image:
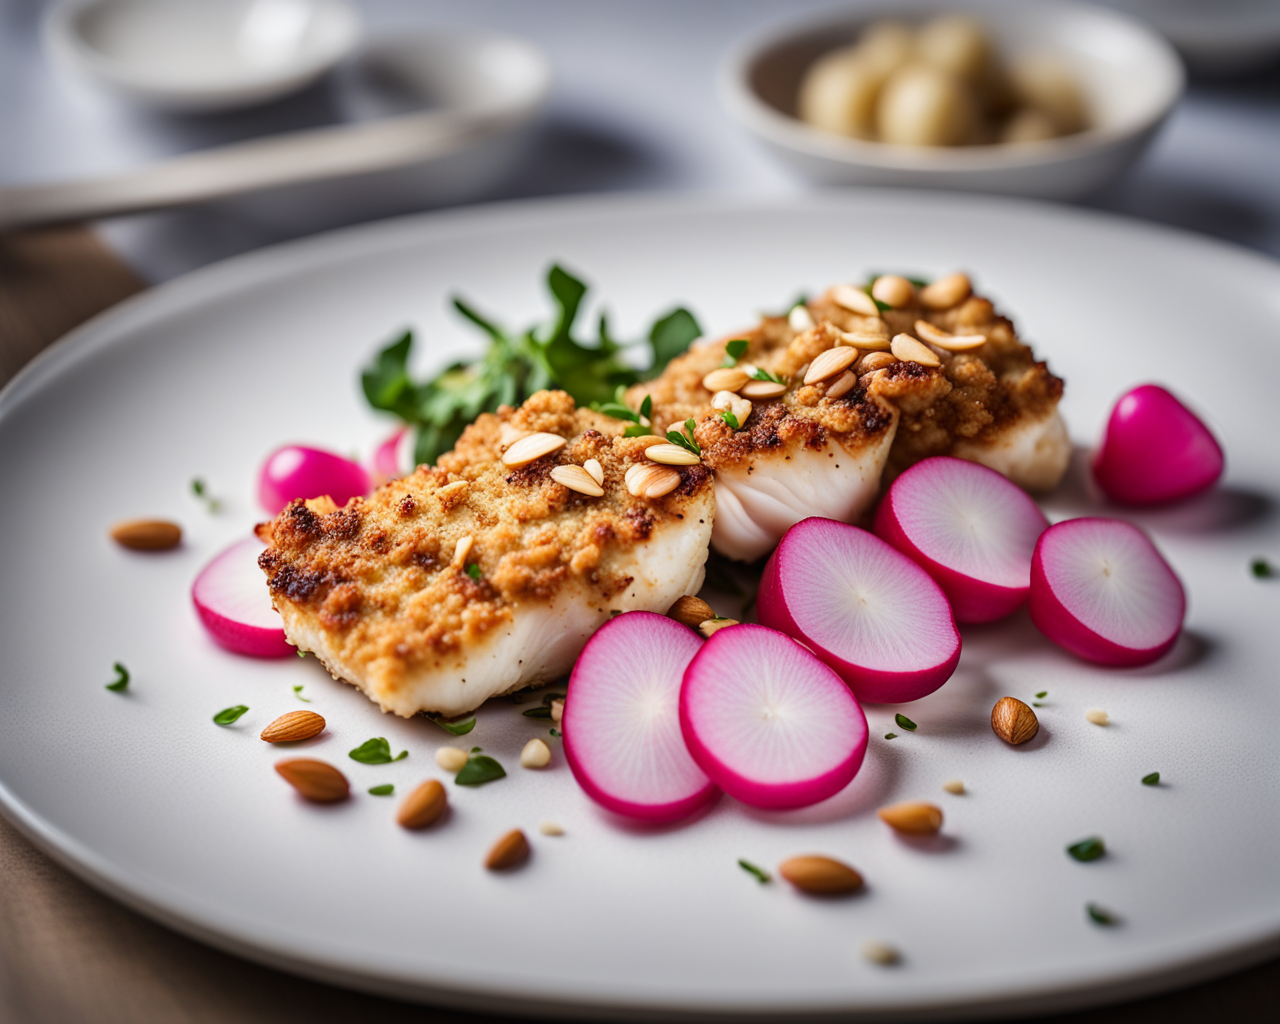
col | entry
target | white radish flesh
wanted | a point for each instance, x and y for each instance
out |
(865, 609)
(970, 529)
(768, 722)
(233, 602)
(1100, 589)
(621, 719)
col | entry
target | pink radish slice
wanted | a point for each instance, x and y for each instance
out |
(1155, 450)
(1100, 589)
(622, 722)
(865, 609)
(768, 722)
(231, 596)
(296, 472)
(969, 528)
(391, 459)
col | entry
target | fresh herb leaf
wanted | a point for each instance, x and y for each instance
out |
(1087, 849)
(1263, 569)
(473, 571)
(555, 731)
(297, 692)
(1042, 695)
(122, 678)
(1099, 916)
(891, 735)
(905, 723)
(685, 441)
(618, 411)
(302, 654)
(1036, 704)
(762, 876)
(728, 416)
(386, 789)
(646, 407)
(200, 491)
(453, 728)
(376, 751)
(1151, 780)
(737, 348)
(759, 374)
(229, 716)
(669, 337)
(479, 769)
(636, 430)
(542, 713)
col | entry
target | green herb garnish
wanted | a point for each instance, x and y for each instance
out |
(543, 713)
(1151, 780)
(473, 571)
(555, 732)
(386, 789)
(1263, 569)
(199, 489)
(728, 416)
(454, 728)
(891, 735)
(229, 716)
(297, 692)
(1042, 695)
(1099, 916)
(376, 751)
(687, 443)
(880, 306)
(735, 350)
(759, 374)
(514, 366)
(122, 678)
(905, 723)
(762, 876)
(1087, 849)
(479, 769)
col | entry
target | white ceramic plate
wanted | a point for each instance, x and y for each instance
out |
(143, 795)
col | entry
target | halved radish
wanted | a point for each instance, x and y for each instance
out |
(969, 528)
(622, 723)
(865, 609)
(392, 456)
(296, 472)
(1100, 589)
(233, 602)
(1155, 450)
(768, 722)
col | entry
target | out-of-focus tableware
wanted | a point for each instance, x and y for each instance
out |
(1217, 37)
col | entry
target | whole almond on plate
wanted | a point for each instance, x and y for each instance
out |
(690, 611)
(147, 534)
(510, 851)
(296, 725)
(818, 874)
(423, 806)
(317, 781)
(912, 817)
(1013, 721)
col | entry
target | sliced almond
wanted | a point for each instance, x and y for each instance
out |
(509, 435)
(800, 319)
(294, 726)
(762, 389)
(1013, 721)
(714, 625)
(831, 363)
(866, 342)
(944, 339)
(317, 781)
(909, 350)
(510, 851)
(727, 378)
(946, 292)
(462, 549)
(593, 467)
(912, 817)
(855, 300)
(576, 478)
(893, 290)
(824, 875)
(147, 534)
(842, 385)
(423, 806)
(649, 480)
(955, 786)
(875, 361)
(530, 448)
(690, 611)
(671, 455)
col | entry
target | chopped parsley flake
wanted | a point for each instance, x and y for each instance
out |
(761, 875)
(297, 692)
(1087, 849)
(891, 735)
(1151, 780)
(229, 716)
(905, 723)
(473, 570)
(1099, 916)
(1263, 569)
(386, 789)
(122, 678)
(199, 489)
(1042, 695)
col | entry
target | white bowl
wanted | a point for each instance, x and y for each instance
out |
(202, 55)
(1131, 77)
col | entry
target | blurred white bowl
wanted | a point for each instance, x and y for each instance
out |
(1217, 37)
(202, 55)
(1131, 77)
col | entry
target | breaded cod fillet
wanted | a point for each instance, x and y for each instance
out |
(826, 448)
(473, 579)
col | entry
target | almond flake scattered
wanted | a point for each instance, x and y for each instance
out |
(954, 786)
(1097, 716)
(880, 953)
(550, 828)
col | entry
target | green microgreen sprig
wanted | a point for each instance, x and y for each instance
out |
(473, 570)
(201, 491)
(729, 418)
(376, 751)
(122, 679)
(1087, 849)
(1100, 916)
(735, 350)
(229, 716)
(1151, 780)
(761, 875)
(297, 692)
(686, 442)
(386, 789)
(759, 374)
(905, 723)
(479, 769)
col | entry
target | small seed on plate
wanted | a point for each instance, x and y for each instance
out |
(946, 291)
(536, 754)
(909, 350)
(855, 300)
(147, 534)
(423, 806)
(727, 378)
(875, 361)
(893, 290)
(294, 726)
(451, 759)
(671, 455)
(595, 470)
(1097, 716)
(714, 625)
(576, 478)
(944, 339)
(508, 852)
(1013, 721)
(550, 828)
(317, 781)
(816, 874)
(649, 480)
(557, 710)
(953, 786)
(462, 549)
(880, 953)
(530, 448)
(691, 611)
(831, 363)
(762, 389)
(842, 385)
(800, 319)
(912, 817)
